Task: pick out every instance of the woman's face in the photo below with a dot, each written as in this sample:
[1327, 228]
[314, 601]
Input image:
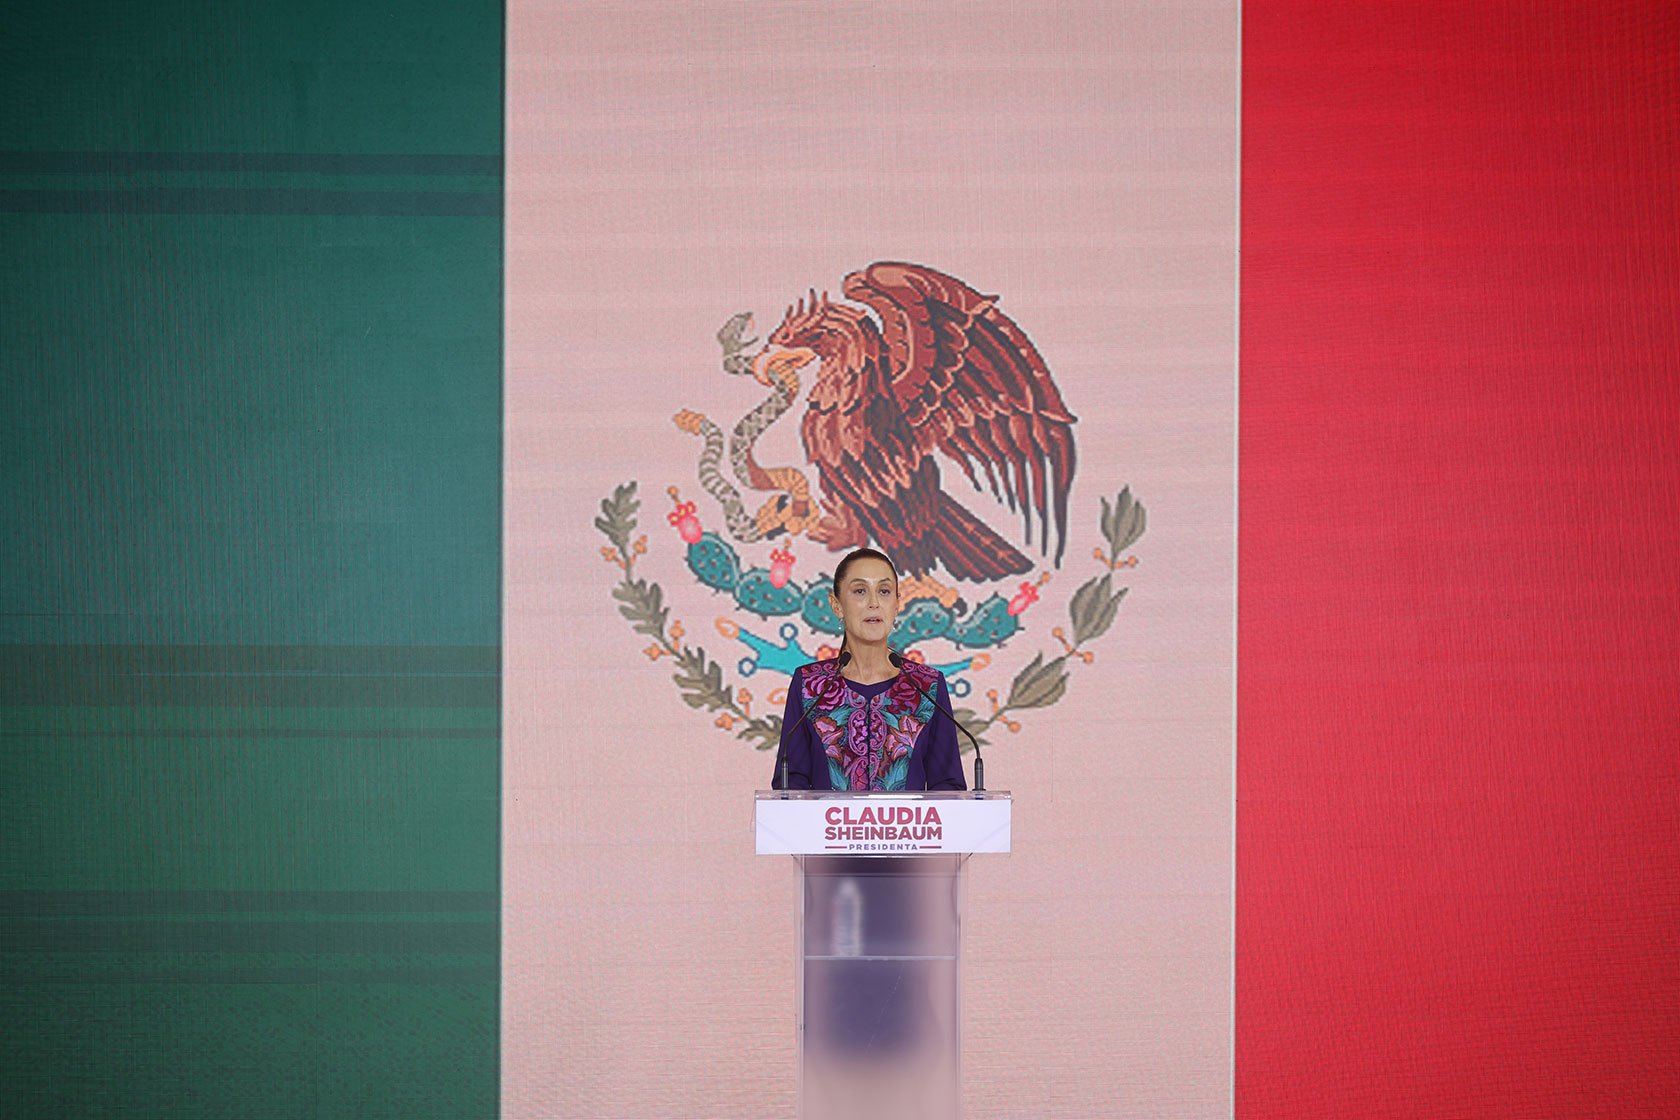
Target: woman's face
[868, 600]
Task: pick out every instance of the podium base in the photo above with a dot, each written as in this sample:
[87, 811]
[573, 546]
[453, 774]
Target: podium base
[879, 1001]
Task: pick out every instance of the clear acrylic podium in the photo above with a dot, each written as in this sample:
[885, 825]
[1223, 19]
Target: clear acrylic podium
[878, 1007]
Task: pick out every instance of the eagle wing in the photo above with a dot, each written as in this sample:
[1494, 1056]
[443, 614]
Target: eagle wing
[970, 383]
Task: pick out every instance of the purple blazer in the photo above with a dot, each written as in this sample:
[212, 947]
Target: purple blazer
[885, 736]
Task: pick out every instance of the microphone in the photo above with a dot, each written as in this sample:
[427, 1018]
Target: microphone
[781, 747]
[979, 764]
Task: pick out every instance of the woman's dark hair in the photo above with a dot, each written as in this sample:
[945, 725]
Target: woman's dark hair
[860, 554]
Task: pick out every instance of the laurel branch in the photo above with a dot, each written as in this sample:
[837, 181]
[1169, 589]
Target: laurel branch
[1039, 684]
[642, 602]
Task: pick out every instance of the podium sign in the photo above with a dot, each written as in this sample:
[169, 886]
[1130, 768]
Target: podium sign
[821, 822]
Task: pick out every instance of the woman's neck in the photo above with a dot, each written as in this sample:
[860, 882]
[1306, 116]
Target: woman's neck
[869, 664]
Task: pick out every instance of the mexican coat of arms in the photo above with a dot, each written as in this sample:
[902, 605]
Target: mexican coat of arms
[916, 373]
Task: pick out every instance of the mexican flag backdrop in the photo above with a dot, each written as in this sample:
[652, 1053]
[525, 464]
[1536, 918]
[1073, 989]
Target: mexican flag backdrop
[428, 445]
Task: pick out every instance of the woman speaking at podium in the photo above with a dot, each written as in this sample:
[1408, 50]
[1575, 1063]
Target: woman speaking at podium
[868, 719]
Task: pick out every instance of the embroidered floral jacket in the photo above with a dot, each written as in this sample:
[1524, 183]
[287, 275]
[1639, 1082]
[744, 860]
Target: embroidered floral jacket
[884, 736]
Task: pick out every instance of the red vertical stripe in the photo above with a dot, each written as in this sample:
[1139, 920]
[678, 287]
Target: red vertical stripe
[1459, 706]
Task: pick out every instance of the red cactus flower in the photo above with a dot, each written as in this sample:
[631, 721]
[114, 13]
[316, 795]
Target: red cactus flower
[781, 567]
[1024, 598]
[688, 526]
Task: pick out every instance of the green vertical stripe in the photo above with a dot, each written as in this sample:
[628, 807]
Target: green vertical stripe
[250, 327]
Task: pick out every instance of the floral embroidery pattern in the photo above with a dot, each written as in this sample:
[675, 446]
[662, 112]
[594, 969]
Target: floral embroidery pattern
[867, 740]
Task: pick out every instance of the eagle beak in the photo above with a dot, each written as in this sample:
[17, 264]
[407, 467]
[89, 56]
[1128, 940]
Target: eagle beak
[771, 366]
[760, 365]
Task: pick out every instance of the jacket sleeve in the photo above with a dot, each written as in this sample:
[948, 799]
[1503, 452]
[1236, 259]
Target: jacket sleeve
[797, 747]
[943, 768]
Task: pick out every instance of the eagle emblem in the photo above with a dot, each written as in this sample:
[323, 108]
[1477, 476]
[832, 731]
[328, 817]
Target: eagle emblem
[941, 371]
[916, 374]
